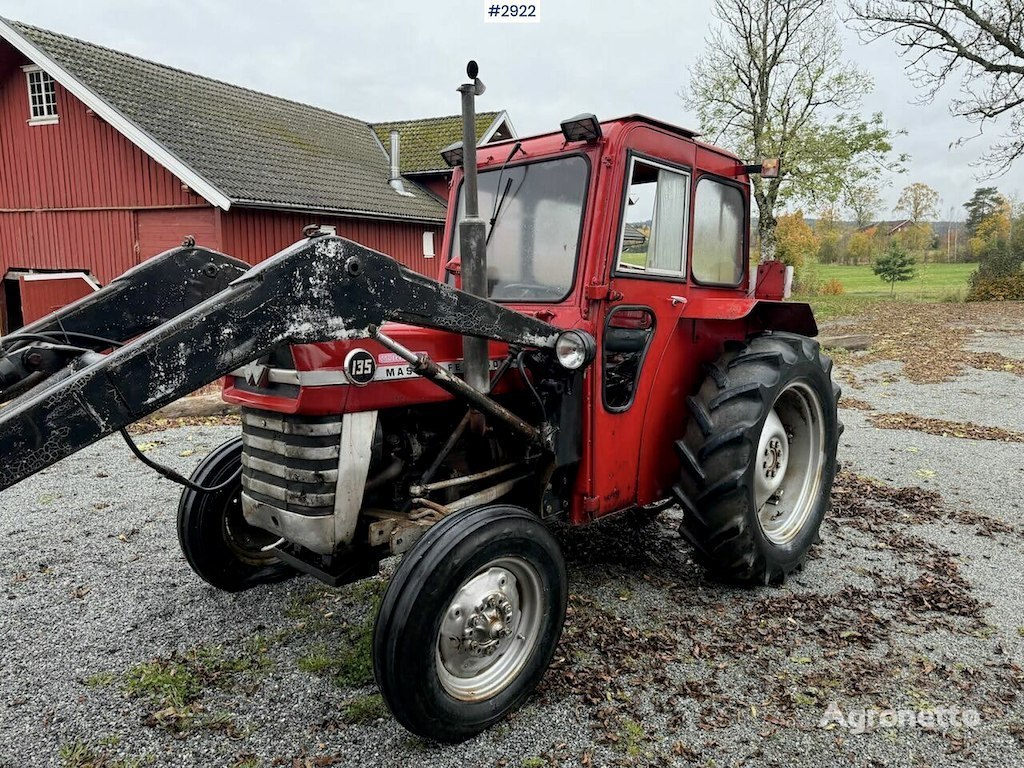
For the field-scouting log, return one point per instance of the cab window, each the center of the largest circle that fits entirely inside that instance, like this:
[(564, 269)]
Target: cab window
[(717, 233), (654, 220), (534, 214)]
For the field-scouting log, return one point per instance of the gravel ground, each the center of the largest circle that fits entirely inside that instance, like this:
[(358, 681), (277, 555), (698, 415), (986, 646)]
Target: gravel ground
[(115, 654)]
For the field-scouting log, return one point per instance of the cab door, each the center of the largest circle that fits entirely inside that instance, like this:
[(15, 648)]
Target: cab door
[(641, 320)]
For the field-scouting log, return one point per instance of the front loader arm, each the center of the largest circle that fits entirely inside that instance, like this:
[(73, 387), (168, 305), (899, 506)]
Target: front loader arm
[(138, 301), (324, 289)]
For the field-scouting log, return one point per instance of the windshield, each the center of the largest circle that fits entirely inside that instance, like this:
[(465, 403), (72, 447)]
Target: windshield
[(538, 210)]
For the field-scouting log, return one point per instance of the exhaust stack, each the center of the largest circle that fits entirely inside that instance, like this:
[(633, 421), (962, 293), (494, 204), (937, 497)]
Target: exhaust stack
[(473, 234)]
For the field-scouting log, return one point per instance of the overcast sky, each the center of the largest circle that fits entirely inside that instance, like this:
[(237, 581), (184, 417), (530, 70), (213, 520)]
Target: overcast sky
[(394, 59)]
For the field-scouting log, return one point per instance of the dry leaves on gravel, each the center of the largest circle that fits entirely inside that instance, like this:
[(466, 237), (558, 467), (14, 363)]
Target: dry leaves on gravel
[(944, 428), (930, 339)]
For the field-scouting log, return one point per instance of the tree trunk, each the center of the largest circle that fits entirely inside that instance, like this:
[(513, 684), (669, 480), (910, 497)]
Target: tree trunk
[(766, 224)]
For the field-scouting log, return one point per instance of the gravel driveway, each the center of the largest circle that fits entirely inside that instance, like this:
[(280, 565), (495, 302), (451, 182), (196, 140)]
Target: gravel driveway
[(115, 654)]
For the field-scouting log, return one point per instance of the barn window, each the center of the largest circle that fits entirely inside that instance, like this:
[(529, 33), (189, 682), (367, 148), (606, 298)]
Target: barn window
[(42, 97)]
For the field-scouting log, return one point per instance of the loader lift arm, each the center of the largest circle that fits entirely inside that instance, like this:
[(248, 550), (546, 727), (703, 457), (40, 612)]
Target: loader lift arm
[(138, 301), (323, 289)]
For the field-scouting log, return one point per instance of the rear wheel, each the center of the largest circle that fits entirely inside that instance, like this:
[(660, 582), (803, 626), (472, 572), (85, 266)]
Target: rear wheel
[(759, 458), (469, 622), (219, 545)]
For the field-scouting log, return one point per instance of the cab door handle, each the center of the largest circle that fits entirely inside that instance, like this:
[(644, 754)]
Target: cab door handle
[(677, 300)]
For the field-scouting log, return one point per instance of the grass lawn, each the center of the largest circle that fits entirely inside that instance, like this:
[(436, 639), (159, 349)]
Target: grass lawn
[(932, 282)]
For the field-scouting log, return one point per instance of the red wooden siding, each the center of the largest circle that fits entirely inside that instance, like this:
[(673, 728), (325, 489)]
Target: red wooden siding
[(161, 230), (253, 235), (99, 242), (79, 162), (42, 294)]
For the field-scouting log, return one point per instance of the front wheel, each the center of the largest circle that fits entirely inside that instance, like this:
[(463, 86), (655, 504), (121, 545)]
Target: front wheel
[(759, 458), (219, 545), (469, 622)]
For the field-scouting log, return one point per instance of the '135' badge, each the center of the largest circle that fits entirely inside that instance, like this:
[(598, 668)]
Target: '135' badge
[(360, 367)]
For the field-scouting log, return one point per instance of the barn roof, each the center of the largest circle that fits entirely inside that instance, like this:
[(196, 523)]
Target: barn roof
[(232, 145), (421, 141)]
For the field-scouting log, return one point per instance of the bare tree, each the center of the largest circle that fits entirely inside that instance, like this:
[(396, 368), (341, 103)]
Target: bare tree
[(773, 83), (981, 42), (863, 200)]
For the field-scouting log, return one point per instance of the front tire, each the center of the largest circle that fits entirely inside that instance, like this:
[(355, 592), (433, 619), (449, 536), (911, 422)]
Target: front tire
[(219, 545), (469, 622), (759, 458)]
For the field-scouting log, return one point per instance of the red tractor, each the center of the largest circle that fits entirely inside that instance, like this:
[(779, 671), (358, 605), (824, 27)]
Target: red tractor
[(594, 342)]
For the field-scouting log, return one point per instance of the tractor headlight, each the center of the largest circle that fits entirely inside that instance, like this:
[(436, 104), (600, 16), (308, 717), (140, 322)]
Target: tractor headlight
[(575, 349)]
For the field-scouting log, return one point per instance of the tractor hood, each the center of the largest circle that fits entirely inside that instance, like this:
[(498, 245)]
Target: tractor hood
[(349, 376)]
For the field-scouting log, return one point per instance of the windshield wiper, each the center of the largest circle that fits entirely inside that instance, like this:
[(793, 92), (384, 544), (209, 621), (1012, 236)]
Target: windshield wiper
[(500, 200)]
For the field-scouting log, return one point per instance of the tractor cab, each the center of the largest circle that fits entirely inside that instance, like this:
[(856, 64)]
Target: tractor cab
[(637, 233)]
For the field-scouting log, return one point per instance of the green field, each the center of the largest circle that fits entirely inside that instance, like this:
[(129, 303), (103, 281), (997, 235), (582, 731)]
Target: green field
[(932, 282)]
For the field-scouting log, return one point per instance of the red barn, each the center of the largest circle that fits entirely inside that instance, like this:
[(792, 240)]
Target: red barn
[(107, 159)]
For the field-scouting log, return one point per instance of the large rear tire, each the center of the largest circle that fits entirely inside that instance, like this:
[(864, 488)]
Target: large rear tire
[(759, 458), (469, 622), (219, 545)]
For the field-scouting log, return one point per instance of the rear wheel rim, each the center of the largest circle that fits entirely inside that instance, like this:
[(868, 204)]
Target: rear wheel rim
[(490, 629), (790, 463)]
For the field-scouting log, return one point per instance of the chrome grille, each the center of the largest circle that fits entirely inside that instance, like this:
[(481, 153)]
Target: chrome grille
[(291, 461)]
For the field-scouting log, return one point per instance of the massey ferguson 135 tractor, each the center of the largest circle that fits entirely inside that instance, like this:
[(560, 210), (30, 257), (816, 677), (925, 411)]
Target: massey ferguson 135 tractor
[(594, 342)]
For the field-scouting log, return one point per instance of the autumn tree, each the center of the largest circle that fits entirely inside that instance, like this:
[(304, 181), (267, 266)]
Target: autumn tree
[(830, 235), (977, 43), (862, 246), (773, 82), (919, 201), (797, 245), (894, 266)]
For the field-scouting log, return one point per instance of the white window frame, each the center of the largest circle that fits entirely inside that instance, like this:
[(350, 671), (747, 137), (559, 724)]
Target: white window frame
[(428, 244), (629, 270), (43, 119)]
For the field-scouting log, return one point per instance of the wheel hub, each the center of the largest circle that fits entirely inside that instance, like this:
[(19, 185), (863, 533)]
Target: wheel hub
[(773, 455), (488, 625), (490, 629), (479, 622)]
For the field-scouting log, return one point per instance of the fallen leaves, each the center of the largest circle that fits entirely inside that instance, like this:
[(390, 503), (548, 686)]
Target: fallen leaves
[(943, 428), (930, 339)]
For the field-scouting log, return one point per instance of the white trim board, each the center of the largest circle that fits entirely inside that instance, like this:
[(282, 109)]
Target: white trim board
[(32, 277), (119, 122)]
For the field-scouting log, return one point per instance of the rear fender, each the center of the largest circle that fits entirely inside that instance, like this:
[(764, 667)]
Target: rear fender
[(758, 315)]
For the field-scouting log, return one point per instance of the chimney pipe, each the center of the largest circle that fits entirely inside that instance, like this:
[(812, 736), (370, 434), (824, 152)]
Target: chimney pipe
[(395, 177)]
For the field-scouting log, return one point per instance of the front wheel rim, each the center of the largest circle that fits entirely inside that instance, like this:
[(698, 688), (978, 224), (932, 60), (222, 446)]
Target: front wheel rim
[(246, 542), (490, 629), (790, 463)]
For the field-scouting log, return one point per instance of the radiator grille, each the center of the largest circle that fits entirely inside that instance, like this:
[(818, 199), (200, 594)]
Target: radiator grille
[(291, 461)]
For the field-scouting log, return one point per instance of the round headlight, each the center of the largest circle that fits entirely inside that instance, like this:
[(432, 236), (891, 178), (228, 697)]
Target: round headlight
[(574, 349)]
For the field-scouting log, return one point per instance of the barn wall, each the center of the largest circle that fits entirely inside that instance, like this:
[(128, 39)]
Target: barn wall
[(70, 191), (79, 162), (99, 242), (254, 235)]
